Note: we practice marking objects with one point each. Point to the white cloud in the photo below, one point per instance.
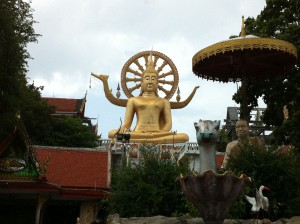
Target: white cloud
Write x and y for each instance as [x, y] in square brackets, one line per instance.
[61, 86]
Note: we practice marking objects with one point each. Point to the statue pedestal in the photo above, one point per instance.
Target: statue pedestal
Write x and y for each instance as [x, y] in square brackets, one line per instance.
[175, 148]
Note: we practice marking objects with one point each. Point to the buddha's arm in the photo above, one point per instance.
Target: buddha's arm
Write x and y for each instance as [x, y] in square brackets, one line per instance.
[182, 104]
[128, 115]
[108, 94]
[167, 116]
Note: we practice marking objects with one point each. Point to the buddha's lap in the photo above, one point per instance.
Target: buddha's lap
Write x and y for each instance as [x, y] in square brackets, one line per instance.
[159, 136]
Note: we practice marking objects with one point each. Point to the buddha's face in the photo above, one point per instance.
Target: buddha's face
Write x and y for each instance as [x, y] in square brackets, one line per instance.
[150, 83]
[241, 128]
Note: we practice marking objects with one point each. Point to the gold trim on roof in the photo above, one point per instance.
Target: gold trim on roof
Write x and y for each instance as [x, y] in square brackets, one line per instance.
[82, 106]
[10, 176]
[244, 43]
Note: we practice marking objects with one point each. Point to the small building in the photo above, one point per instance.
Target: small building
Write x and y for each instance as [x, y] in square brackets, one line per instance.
[50, 184]
[72, 108]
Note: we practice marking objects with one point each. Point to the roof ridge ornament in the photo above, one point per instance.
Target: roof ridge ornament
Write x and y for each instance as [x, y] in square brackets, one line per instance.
[243, 32]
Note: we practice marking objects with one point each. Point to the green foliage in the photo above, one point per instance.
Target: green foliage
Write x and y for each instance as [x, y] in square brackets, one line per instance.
[36, 114]
[70, 132]
[290, 130]
[148, 188]
[16, 32]
[19, 97]
[278, 171]
[221, 146]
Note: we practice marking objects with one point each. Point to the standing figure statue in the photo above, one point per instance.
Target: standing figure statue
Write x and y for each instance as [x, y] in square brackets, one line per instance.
[242, 132]
[153, 113]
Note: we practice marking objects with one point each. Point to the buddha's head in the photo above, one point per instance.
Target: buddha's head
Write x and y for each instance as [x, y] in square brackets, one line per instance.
[149, 78]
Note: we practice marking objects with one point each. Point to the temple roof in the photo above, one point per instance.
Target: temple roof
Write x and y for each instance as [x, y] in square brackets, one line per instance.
[65, 106]
[68, 172]
[71, 107]
[75, 168]
[18, 160]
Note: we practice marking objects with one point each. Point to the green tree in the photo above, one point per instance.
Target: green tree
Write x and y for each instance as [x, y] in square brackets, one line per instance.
[16, 32]
[280, 20]
[70, 132]
[19, 97]
[36, 114]
[223, 141]
[148, 188]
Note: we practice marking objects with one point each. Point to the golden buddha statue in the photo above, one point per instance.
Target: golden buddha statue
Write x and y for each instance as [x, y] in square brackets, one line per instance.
[154, 119]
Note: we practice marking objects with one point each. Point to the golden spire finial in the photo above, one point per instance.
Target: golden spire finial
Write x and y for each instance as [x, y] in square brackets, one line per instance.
[243, 32]
[150, 65]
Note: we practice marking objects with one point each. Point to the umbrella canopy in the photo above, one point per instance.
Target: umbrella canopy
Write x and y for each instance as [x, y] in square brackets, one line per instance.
[244, 57]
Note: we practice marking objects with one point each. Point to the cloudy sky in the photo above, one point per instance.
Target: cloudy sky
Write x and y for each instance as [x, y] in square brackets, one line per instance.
[80, 37]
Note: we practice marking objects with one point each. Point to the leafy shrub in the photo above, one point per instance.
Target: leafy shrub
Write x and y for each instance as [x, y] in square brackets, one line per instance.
[148, 188]
[278, 171]
[70, 132]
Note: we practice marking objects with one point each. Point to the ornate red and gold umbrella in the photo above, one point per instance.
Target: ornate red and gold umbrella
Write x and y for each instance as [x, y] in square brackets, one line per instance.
[244, 58]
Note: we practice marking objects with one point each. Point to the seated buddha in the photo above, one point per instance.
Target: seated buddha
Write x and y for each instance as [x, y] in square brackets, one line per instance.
[154, 120]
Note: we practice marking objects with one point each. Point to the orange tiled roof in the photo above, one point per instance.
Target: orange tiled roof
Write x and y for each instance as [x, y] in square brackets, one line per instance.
[75, 168]
[219, 159]
[67, 105]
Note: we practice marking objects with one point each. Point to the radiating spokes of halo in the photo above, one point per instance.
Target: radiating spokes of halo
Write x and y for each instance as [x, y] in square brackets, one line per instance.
[132, 72]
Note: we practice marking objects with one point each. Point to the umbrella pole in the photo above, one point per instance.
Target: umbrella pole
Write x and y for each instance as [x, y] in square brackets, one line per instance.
[244, 114]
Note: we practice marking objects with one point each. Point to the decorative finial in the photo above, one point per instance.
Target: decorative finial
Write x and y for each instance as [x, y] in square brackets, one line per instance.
[118, 94]
[178, 97]
[243, 32]
[150, 65]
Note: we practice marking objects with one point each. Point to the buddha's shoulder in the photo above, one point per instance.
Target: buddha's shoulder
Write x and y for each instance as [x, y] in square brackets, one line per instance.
[137, 98]
[140, 100]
